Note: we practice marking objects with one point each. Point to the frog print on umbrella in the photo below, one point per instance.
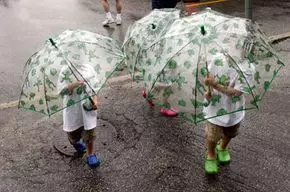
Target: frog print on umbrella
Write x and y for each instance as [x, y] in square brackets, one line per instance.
[72, 49]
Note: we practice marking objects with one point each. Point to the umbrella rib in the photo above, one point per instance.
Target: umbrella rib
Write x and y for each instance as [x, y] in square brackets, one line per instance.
[232, 112]
[29, 59]
[111, 51]
[243, 77]
[137, 58]
[109, 76]
[195, 87]
[272, 51]
[26, 77]
[45, 96]
[167, 63]
[71, 64]
[223, 22]
[273, 77]
[44, 87]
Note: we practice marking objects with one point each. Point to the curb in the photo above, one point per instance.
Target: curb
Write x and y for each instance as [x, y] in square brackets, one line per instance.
[280, 37]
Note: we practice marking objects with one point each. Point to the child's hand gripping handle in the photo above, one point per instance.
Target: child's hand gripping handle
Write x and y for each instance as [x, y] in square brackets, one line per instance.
[94, 105]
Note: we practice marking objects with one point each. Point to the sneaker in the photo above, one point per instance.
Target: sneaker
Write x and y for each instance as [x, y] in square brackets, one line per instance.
[93, 161]
[211, 166]
[118, 20]
[224, 156]
[168, 112]
[109, 20]
[80, 146]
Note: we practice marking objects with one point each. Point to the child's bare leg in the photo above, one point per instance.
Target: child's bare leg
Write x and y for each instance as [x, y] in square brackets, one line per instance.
[228, 134]
[212, 134]
[225, 141]
[90, 148]
[224, 156]
[89, 137]
[211, 149]
[74, 138]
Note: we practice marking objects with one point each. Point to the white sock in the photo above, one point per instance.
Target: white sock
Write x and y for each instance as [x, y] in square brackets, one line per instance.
[109, 15]
[119, 15]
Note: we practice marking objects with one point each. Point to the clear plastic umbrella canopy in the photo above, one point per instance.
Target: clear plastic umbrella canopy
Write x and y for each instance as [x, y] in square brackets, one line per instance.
[144, 32]
[174, 67]
[72, 56]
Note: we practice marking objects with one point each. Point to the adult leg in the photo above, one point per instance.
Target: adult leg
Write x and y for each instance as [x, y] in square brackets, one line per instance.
[119, 6]
[119, 10]
[109, 19]
[106, 5]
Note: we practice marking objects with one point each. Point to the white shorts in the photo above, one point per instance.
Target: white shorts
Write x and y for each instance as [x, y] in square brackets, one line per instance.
[75, 117]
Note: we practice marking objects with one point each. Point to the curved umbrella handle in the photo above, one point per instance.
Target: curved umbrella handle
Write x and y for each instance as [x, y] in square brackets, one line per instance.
[93, 106]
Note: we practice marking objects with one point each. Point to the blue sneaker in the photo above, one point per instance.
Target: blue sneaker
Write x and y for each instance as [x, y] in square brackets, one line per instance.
[93, 161]
[80, 146]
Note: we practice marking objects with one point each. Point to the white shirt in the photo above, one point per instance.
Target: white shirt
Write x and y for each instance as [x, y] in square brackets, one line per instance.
[221, 103]
[75, 116]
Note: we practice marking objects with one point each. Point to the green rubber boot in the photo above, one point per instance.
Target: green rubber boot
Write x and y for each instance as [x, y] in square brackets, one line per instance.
[211, 166]
[223, 155]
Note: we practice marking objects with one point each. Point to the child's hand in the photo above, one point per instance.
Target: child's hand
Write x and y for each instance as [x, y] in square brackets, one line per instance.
[81, 82]
[95, 105]
[210, 80]
[207, 96]
[72, 86]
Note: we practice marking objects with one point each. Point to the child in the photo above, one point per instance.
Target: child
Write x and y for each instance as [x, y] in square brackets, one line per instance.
[79, 122]
[226, 83]
[159, 87]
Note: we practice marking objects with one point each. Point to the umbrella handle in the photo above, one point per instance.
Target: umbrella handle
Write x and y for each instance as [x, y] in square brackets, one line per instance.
[209, 90]
[94, 106]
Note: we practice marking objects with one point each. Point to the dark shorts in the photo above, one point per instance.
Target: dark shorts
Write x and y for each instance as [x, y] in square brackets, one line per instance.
[160, 4]
[214, 132]
[87, 135]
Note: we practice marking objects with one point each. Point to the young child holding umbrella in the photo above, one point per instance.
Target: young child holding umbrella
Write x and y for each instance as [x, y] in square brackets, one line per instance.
[79, 119]
[226, 83]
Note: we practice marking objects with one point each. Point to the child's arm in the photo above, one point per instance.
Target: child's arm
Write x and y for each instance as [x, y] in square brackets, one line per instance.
[229, 91]
[95, 99]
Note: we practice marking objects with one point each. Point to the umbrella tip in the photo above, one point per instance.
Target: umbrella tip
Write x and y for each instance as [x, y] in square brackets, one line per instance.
[202, 30]
[52, 42]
